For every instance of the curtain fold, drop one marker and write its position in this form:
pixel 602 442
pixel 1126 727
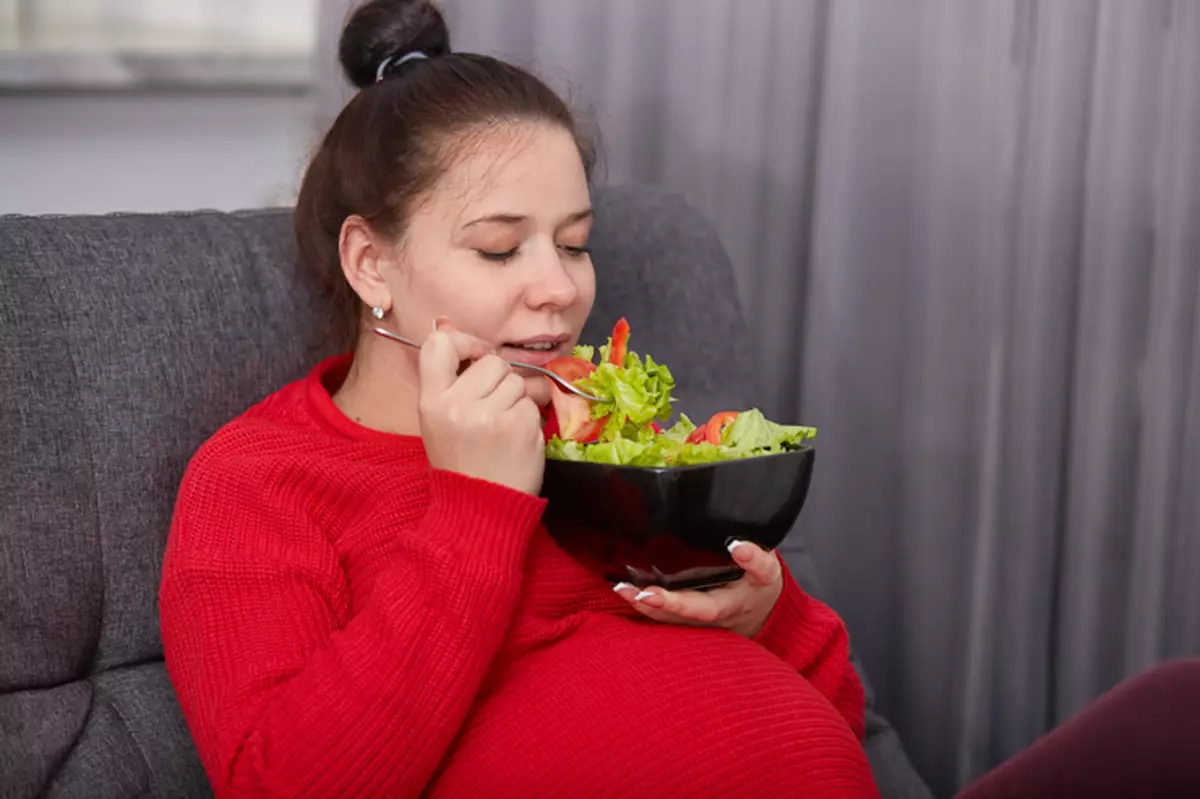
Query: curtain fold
pixel 965 240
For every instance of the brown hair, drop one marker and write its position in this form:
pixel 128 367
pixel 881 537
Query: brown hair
pixel 398 135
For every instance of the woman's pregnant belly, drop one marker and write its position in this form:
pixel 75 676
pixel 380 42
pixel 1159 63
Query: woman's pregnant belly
pixel 623 707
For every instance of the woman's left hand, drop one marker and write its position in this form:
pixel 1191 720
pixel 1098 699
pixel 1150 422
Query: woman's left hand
pixel 742 607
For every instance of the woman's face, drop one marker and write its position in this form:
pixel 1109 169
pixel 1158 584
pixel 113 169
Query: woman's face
pixel 499 249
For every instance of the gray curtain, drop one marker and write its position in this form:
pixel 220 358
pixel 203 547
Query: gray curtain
pixel 967 244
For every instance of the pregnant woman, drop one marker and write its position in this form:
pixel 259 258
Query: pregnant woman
pixel 359 597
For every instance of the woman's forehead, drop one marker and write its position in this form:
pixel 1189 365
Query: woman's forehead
pixel 535 173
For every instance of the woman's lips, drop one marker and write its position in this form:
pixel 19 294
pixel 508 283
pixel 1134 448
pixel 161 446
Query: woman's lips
pixel 531 357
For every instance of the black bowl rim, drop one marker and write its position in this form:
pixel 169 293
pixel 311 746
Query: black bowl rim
pixel 689 468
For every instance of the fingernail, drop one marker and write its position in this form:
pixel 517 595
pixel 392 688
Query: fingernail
pixel 619 587
pixel 644 595
pixel 734 545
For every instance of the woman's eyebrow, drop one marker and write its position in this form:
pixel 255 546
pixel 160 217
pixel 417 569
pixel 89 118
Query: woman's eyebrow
pixel 517 219
pixel 504 219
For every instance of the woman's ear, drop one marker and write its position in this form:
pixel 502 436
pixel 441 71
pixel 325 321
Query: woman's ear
pixel 364 255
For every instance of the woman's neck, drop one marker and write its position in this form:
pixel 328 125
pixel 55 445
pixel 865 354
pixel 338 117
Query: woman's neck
pixel 381 389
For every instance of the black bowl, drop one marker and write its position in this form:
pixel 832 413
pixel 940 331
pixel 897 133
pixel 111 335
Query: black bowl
pixel 670 526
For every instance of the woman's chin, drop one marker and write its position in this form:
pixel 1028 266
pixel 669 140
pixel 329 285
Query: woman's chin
pixel 538 389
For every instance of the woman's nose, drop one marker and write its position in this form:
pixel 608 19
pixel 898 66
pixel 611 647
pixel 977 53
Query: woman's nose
pixel 552 285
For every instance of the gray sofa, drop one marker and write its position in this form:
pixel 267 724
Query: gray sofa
pixel 128 340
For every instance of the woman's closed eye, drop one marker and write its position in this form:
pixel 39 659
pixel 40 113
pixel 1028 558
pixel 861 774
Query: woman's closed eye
pixel 498 256
pixel 576 252
pixel 503 256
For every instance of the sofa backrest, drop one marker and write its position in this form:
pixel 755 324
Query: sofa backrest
pixel 127 340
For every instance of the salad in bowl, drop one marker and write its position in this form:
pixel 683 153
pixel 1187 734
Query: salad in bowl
pixel 651 505
pixel 626 428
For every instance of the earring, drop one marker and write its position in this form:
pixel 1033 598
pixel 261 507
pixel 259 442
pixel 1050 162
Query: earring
pixel 378 312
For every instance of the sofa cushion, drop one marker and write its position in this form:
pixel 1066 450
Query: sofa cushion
pixel 128 340
pixel 117 734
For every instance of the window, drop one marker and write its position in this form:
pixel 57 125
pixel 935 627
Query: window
pixel 103 41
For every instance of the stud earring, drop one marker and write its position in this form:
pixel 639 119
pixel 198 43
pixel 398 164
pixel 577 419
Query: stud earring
pixel 378 312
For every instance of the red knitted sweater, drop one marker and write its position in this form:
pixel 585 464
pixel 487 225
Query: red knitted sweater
pixel 341 620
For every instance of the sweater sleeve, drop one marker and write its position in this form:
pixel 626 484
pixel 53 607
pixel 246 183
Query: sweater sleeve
pixel 811 638
pixel 293 685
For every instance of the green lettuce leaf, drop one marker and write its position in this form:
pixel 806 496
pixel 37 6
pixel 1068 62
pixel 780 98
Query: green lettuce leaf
pixel 752 431
pixel 559 450
pixel 618 452
pixel 704 452
pixel 634 395
pixel 622 451
pixel 679 431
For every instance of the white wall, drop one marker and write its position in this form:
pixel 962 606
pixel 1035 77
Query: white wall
pixel 77 153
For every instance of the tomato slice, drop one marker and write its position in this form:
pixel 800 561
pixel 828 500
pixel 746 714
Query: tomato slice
pixel 571 368
pixel 584 432
pixel 591 431
pixel 698 435
pixel 716 426
pixel 571 416
pixel 620 343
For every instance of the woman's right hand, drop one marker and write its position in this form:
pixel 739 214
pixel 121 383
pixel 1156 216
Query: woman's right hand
pixel 479 423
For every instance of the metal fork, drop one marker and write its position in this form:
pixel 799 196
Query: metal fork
pixel 561 381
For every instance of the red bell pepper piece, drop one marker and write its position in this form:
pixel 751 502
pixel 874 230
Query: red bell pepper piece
pixel 620 343
pixel 715 428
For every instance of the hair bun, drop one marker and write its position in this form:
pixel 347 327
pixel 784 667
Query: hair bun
pixel 381 29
